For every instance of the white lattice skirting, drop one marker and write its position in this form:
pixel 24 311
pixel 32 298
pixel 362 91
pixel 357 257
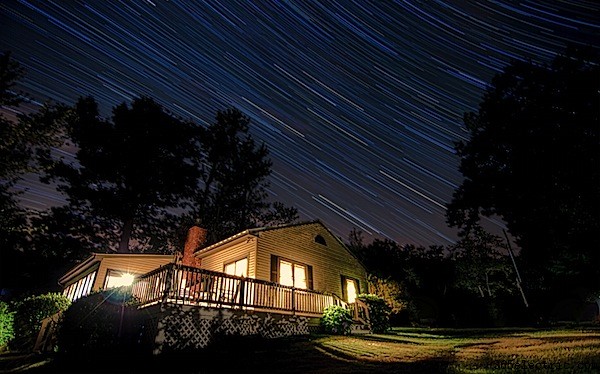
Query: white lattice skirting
pixel 181 328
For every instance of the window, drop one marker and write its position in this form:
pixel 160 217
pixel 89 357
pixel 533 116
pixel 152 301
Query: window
pixel 350 289
pixel 291 273
pixel 239 267
pixel 321 240
pixel 81 288
pixel 116 278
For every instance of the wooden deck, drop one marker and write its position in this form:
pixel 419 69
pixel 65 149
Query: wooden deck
pixel 179 284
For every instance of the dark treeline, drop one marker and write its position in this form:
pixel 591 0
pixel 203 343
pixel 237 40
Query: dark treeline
pixel 136 183
pixel 469 284
pixel 532 159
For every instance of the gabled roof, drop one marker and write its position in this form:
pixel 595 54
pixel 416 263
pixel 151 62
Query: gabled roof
pixel 306 223
pixel 271 228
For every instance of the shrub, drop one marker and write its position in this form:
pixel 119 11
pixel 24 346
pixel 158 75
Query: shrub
pixel 99 322
pixel 29 314
pixel 6 325
pixel 336 320
pixel 379 312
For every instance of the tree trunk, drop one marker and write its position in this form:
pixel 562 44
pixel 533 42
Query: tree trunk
pixel 125 236
pixel 487 282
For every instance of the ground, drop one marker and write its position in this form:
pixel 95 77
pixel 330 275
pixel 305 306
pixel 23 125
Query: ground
pixel 402 350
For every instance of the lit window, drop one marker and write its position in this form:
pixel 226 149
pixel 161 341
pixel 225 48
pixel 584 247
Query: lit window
pixel 293 275
pixel 286 276
pixel 118 279
pixel 239 268
pixel 350 289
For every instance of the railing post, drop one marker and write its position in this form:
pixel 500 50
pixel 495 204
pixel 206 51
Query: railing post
pixel 242 292
pixel 293 300
pixel 168 282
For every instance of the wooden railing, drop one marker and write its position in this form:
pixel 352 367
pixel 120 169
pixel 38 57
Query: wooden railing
pixel 192 286
pixel 360 312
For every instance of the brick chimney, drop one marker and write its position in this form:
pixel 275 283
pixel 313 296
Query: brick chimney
pixel 195 238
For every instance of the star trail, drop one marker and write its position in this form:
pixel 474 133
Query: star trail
pixel 359 102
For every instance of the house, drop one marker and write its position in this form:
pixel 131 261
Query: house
pixel 273 281
pixel 304 256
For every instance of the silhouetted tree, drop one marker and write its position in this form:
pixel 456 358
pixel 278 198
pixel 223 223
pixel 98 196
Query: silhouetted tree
pixel 356 241
pixel 277 213
pixel 11 72
pixel 129 171
pixel 533 159
pixel 234 172
pixel 24 140
pixel 15 155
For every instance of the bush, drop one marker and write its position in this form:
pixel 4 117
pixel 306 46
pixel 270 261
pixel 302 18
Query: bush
pixel 99 322
pixel 379 312
pixel 6 325
pixel 29 314
pixel 336 320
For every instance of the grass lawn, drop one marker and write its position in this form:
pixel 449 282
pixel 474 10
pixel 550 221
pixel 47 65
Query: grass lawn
pixel 403 350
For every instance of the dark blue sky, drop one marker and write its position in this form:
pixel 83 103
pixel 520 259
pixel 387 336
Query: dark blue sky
pixel 359 102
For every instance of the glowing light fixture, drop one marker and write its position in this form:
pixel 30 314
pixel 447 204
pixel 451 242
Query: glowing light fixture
pixel 119 280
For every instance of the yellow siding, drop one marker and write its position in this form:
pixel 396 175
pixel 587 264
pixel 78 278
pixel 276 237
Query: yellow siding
pixel 133 264
pixel 297 243
pixel 236 250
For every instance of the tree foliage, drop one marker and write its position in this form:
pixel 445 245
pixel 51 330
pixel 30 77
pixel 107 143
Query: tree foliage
pixel 15 155
pixel 102 322
pixel 468 283
pixel 533 160
pixel 7 329
pixel 379 312
pixel 415 280
pixel 481 264
pixel 27 135
pixel 27 140
pixel 128 171
pixel 10 73
pixel 233 179
pixel 336 320
pixel 29 314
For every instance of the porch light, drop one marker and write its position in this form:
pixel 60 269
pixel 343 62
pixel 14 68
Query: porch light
pixel 119 280
pixel 127 279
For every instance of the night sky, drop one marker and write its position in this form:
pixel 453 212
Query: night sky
pixel 359 102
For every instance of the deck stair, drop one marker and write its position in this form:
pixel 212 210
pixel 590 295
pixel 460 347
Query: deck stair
pixel 360 317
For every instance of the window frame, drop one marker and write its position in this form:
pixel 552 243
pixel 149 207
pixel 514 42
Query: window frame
pixel 275 265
